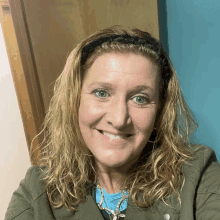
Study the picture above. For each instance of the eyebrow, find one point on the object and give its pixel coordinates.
(110, 87)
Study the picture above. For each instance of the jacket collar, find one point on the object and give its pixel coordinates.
(89, 210)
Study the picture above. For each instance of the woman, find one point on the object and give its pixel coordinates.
(117, 140)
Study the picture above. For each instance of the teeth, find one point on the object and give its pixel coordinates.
(113, 136)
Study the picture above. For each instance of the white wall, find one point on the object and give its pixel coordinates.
(14, 158)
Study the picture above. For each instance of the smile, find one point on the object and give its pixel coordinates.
(114, 137)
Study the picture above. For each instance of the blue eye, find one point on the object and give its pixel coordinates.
(141, 100)
(101, 93)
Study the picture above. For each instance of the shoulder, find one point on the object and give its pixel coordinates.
(210, 173)
(203, 177)
(30, 188)
(32, 181)
(209, 169)
(203, 165)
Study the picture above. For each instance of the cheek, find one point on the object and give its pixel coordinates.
(144, 119)
(89, 112)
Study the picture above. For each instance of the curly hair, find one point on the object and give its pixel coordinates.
(70, 168)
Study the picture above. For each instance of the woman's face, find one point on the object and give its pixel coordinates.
(120, 96)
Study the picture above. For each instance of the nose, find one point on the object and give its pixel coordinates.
(118, 113)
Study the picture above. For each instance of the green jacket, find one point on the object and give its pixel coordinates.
(200, 197)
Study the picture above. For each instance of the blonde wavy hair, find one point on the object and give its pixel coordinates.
(70, 167)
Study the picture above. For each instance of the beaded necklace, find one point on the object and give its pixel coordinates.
(116, 214)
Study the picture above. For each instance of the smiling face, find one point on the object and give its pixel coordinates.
(120, 96)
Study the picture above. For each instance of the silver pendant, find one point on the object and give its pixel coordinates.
(166, 217)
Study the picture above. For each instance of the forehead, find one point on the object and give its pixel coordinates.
(111, 65)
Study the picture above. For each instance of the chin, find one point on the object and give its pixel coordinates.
(113, 162)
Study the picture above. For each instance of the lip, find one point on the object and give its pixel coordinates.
(114, 141)
(113, 133)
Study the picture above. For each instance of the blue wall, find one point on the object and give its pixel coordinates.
(193, 28)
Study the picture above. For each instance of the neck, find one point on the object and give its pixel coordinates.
(111, 179)
(110, 184)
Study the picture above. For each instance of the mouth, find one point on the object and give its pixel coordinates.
(112, 136)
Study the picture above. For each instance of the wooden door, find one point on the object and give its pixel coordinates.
(25, 101)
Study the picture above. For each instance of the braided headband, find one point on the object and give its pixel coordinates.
(147, 41)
